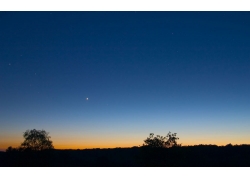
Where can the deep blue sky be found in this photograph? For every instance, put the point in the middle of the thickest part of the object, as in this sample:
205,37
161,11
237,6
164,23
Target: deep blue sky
142,72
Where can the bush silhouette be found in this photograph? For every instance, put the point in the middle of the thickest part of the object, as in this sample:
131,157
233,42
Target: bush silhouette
170,140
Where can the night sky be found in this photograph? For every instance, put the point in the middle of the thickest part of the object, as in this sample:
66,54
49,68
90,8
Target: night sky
142,72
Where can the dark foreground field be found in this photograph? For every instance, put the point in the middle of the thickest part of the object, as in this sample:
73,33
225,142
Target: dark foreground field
191,156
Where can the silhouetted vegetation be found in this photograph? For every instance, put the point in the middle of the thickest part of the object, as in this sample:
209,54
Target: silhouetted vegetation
156,152
158,141
185,156
34,140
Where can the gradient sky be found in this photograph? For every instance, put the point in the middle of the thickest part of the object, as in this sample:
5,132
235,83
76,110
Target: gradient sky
142,72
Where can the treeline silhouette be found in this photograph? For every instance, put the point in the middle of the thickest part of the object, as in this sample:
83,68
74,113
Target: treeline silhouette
157,151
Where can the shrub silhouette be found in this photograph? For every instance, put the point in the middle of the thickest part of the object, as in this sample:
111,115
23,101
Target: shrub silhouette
36,140
170,140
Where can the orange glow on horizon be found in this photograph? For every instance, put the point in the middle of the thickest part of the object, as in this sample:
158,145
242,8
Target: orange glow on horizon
71,142
4,146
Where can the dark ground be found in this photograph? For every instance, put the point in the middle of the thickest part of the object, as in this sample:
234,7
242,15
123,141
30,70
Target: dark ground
191,156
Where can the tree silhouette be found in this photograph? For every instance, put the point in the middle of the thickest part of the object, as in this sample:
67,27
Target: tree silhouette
170,140
11,149
36,140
